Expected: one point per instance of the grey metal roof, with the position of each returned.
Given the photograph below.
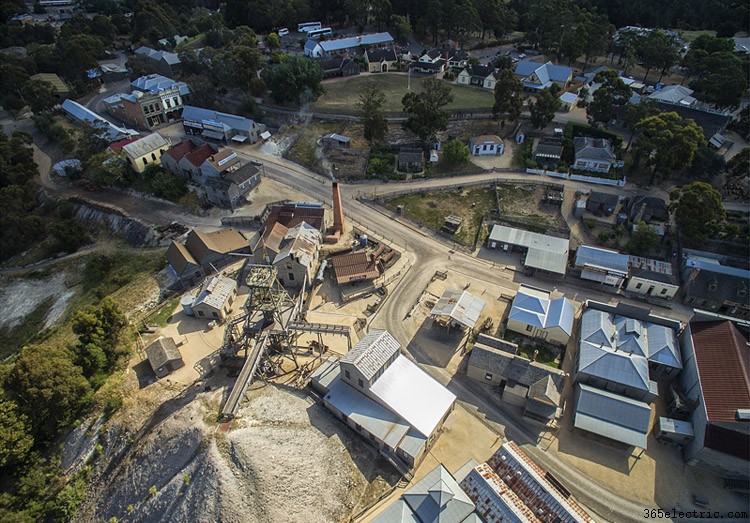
(228, 121)
(437, 497)
(513, 367)
(82, 113)
(663, 346)
(337, 137)
(549, 150)
(593, 148)
(152, 142)
(459, 305)
(397, 512)
(372, 352)
(620, 367)
(532, 307)
(547, 253)
(162, 351)
(603, 258)
(616, 417)
(631, 335)
(216, 292)
(156, 83)
(355, 41)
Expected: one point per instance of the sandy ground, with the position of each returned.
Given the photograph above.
(285, 459)
(503, 161)
(20, 297)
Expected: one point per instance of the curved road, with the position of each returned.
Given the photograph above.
(428, 255)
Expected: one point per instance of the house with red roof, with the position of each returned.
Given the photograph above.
(715, 381)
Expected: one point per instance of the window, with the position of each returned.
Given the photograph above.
(200, 313)
(639, 286)
(663, 291)
(214, 314)
(145, 162)
(528, 328)
(291, 276)
(346, 372)
(288, 265)
(361, 384)
(153, 156)
(488, 376)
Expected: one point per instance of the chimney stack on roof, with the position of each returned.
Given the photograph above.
(338, 210)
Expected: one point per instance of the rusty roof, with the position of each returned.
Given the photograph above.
(354, 266)
(200, 154)
(180, 150)
(290, 214)
(224, 159)
(495, 501)
(721, 353)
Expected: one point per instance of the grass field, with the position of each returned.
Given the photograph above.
(341, 96)
(431, 209)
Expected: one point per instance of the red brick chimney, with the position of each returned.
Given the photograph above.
(338, 210)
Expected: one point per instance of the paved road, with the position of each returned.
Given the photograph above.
(429, 255)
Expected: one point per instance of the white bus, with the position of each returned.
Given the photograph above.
(308, 26)
(317, 33)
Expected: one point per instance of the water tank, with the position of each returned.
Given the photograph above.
(321, 272)
(187, 304)
(363, 241)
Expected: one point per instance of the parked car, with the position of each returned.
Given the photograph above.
(522, 56)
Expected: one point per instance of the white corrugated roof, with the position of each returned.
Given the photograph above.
(372, 352)
(459, 305)
(147, 144)
(548, 253)
(413, 395)
(215, 292)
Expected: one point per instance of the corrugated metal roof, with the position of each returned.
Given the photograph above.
(354, 266)
(372, 352)
(152, 142)
(616, 417)
(355, 41)
(460, 306)
(300, 242)
(663, 346)
(397, 512)
(80, 112)
(162, 351)
(437, 497)
(539, 490)
(494, 498)
(413, 394)
(547, 253)
(604, 258)
(215, 292)
(615, 366)
(532, 307)
(156, 83)
(721, 354)
(230, 121)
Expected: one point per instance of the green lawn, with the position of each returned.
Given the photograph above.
(341, 96)
(430, 209)
(526, 348)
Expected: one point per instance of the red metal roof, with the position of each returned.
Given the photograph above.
(721, 353)
(117, 146)
(290, 215)
(355, 266)
(180, 150)
(200, 154)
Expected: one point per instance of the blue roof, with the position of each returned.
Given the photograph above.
(532, 308)
(84, 114)
(155, 83)
(603, 258)
(711, 265)
(310, 44)
(547, 73)
(568, 98)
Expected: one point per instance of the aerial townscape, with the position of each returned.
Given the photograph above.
(374, 261)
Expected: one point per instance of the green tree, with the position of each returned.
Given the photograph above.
(612, 93)
(547, 103)
(643, 241)
(297, 80)
(739, 165)
(698, 211)
(272, 40)
(51, 389)
(508, 95)
(40, 95)
(107, 168)
(70, 235)
(427, 115)
(371, 101)
(455, 152)
(722, 80)
(164, 184)
(657, 51)
(707, 163)
(668, 142)
(15, 436)
(402, 27)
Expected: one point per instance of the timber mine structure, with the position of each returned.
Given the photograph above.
(268, 331)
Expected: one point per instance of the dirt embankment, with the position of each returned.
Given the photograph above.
(285, 459)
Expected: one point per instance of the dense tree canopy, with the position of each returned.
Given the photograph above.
(643, 241)
(612, 93)
(508, 95)
(297, 80)
(455, 152)
(698, 211)
(547, 103)
(371, 101)
(426, 110)
(667, 141)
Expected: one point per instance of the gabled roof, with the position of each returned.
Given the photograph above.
(412, 394)
(336, 137)
(532, 307)
(723, 360)
(290, 214)
(602, 258)
(162, 351)
(663, 346)
(437, 497)
(152, 142)
(495, 499)
(156, 83)
(547, 253)
(224, 241)
(568, 98)
(223, 159)
(200, 154)
(460, 306)
(54, 80)
(354, 266)
(372, 352)
(380, 55)
(715, 282)
(593, 148)
(165, 56)
(179, 257)
(549, 149)
(355, 41)
(674, 94)
(546, 73)
(300, 243)
(215, 292)
(479, 71)
(487, 138)
(228, 121)
(176, 152)
(545, 390)
(611, 415)
(82, 113)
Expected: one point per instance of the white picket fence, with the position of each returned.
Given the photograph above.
(578, 177)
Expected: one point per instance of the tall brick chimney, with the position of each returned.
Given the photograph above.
(338, 210)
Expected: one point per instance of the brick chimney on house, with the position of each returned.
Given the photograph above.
(338, 210)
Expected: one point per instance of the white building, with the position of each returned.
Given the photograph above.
(536, 315)
(486, 144)
(215, 298)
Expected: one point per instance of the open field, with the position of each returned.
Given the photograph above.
(431, 209)
(341, 96)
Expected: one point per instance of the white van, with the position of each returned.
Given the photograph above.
(283, 31)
